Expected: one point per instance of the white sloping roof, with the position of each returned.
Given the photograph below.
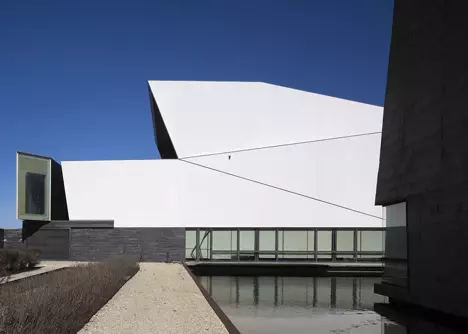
(214, 117)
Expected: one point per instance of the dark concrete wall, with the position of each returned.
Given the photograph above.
(153, 244)
(424, 152)
(2, 236)
(54, 243)
(13, 238)
(425, 118)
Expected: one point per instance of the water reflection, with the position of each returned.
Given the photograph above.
(305, 292)
(298, 304)
(293, 305)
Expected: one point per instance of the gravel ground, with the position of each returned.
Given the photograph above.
(160, 298)
(43, 267)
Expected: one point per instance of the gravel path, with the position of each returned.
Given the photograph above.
(160, 298)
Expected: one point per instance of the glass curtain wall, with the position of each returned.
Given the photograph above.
(285, 244)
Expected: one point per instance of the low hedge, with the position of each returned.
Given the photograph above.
(61, 301)
(14, 260)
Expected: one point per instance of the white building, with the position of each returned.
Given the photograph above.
(262, 170)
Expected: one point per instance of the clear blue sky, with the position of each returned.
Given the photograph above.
(73, 73)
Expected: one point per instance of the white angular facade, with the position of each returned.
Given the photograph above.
(240, 154)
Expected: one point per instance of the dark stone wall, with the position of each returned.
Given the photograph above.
(424, 151)
(13, 238)
(2, 236)
(425, 118)
(98, 240)
(152, 244)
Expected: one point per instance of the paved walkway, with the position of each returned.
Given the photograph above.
(43, 267)
(160, 298)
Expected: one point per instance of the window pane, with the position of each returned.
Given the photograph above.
(222, 242)
(324, 241)
(247, 240)
(267, 240)
(345, 241)
(370, 241)
(295, 241)
(34, 186)
(190, 240)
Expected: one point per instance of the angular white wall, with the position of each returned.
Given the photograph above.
(250, 155)
(339, 171)
(215, 117)
(167, 193)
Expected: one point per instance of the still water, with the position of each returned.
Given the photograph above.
(293, 305)
(297, 305)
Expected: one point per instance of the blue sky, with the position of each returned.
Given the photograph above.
(73, 73)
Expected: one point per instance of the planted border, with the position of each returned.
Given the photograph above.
(62, 301)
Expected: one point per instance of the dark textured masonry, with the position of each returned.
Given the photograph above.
(424, 151)
(152, 244)
(97, 240)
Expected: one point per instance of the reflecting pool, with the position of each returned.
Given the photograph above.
(298, 304)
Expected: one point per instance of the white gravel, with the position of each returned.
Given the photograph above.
(160, 298)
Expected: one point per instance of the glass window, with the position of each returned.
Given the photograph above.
(345, 241)
(324, 241)
(267, 244)
(267, 240)
(190, 241)
(33, 187)
(223, 245)
(370, 241)
(247, 240)
(222, 240)
(295, 241)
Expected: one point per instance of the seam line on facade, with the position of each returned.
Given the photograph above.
(280, 145)
(282, 189)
